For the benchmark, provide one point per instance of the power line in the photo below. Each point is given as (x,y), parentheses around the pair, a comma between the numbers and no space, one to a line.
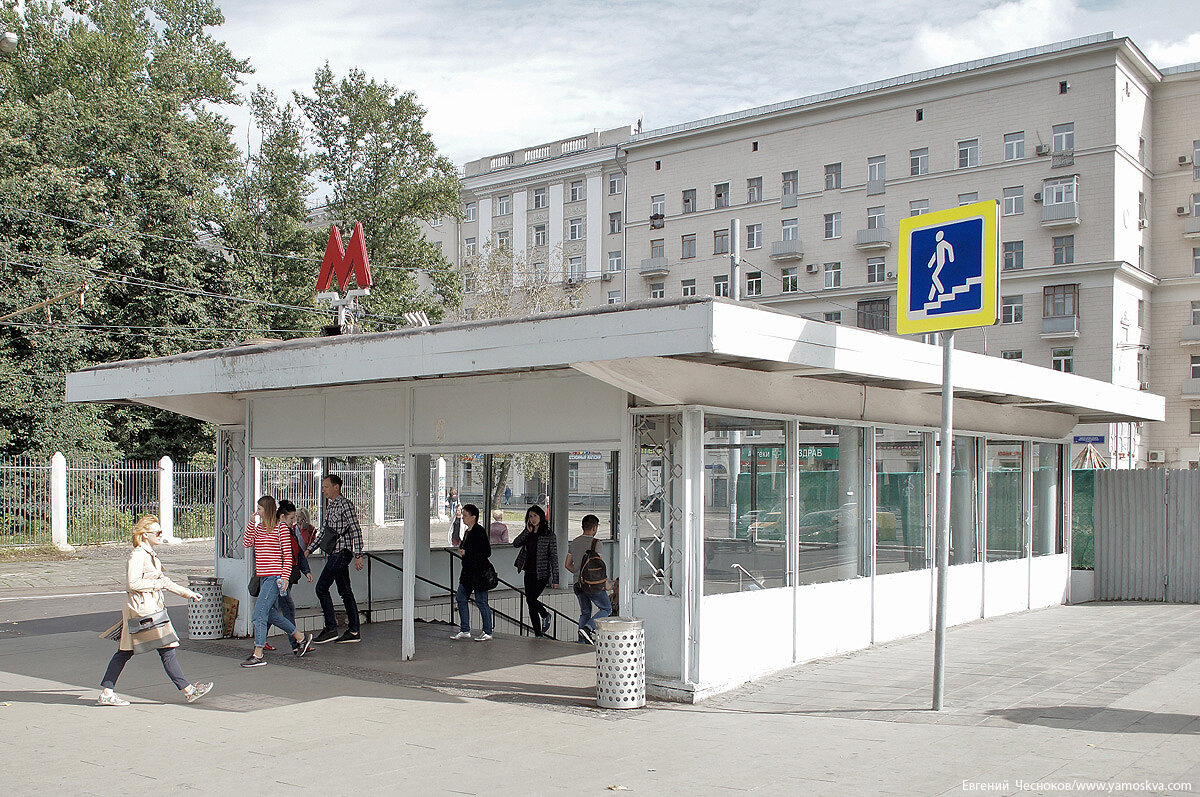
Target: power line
(52,326)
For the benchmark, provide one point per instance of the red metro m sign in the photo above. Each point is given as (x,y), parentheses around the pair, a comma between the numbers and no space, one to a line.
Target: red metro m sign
(340,261)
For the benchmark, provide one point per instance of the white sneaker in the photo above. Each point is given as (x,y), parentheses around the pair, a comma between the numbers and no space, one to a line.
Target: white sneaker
(111,699)
(483,637)
(462,635)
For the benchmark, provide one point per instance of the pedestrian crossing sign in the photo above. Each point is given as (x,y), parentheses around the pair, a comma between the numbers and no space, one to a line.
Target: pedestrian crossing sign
(949,269)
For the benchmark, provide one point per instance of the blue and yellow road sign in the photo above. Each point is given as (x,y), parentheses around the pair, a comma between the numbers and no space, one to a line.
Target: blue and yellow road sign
(949,269)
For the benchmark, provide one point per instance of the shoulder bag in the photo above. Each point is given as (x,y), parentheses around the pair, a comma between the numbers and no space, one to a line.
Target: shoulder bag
(151,632)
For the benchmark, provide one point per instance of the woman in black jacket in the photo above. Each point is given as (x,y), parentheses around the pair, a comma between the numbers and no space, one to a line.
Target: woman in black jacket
(476,551)
(539,560)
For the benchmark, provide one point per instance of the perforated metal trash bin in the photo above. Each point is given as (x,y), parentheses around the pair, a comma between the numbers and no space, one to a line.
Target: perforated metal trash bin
(206,617)
(620,663)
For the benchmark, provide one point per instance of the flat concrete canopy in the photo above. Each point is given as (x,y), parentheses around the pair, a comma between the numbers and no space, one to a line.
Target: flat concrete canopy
(699,351)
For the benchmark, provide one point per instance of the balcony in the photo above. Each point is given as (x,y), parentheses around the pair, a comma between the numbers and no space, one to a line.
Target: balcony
(1062,158)
(876,187)
(787,250)
(654,267)
(873,238)
(1061,326)
(1060,214)
(788,201)
(1191,227)
(1189,334)
(1191,388)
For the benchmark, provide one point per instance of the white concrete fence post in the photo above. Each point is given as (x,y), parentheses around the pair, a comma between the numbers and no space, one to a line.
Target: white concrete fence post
(166,499)
(378,484)
(58,502)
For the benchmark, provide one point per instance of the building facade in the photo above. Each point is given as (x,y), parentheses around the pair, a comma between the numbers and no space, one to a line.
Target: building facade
(1090,149)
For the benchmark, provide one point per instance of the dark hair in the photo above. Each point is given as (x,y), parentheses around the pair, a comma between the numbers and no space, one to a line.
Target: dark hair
(543,525)
(334,479)
(287,507)
(472,510)
(590,522)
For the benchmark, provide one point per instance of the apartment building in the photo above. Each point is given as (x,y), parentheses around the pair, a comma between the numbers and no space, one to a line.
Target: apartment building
(1090,149)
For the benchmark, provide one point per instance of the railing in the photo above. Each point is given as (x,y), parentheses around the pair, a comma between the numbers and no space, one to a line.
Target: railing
(1061,325)
(554,613)
(537,154)
(106,498)
(790,249)
(876,187)
(1065,157)
(1060,213)
(654,266)
(193,505)
(1191,226)
(874,238)
(25,501)
(744,573)
(574,145)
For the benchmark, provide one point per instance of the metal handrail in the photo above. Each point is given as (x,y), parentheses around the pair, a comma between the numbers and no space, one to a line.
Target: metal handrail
(748,574)
(554,613)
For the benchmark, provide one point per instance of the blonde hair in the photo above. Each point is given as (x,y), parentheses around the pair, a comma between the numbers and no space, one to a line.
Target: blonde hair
(498,514)
(142,528)
(270,512)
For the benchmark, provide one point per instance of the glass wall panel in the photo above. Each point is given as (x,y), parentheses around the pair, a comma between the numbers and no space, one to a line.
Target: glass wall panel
(964,502)
(901,516)
(832,537)
(1005,486)
(657,502)
(590,481)
(518,480)
(745,504)
(1047,499)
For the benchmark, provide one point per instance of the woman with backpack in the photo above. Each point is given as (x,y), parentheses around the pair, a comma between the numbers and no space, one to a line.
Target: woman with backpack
(477,576)
(538,559)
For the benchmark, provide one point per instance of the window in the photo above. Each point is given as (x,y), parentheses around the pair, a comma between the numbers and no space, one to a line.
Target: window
(658,205)
(616,183)
(658,247)
(614,222)
(1012,354)
(721,195)
(1195,313)
(503,238)
(1196,205)
(833,176)
(968,198)
(920,114)
(1195,373)
(791,280)
(1196,260)
(753,236)
(1141,257)
(754,283)
(541,270)
(918,161)
(1014,255)
(968,153)
(875,218)
(1141,314)
(877,168)
(687,287)
(470,211)
(1064,138)
(1060,301)
(576,194)
(1059,191)
(791,183)
(834,317)
(469,246)
(1143,210)
(720,242)
(614,297)
(539,235)
(1014,145)
(539,198)
(1064,249)
(1012,309)
(791,229)
(470,285)
(1194,417)
(754,189)
(721,285)
(875,270)
(833,225)
(875,314)
(1063,360)
(616,261)
(1014,200)
(687,246)
(1196,160)
(833,275)
(918,207)
(689,200)
(657,290)
(503,205)
(575,229)
(575,267)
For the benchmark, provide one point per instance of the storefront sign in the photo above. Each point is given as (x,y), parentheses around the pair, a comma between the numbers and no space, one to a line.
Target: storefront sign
(582,456)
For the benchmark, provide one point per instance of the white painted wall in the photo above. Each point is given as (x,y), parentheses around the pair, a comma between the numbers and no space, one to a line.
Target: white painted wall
(1005,587)
(660,617)
(745,634)
(903,604)
(1049,577)
(964,593)
(330,420)
(832,618)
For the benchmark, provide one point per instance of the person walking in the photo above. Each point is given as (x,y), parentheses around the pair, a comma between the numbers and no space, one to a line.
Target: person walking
(590,594)
(475,576)
(287,606)
(498,529)
(271,540)
(144,585)
(340,526)
(538,559)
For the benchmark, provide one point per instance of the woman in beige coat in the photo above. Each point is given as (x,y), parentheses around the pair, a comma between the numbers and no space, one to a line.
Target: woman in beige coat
(144,585)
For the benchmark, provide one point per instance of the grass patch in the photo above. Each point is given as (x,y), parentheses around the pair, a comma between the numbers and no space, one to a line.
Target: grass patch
(35,553)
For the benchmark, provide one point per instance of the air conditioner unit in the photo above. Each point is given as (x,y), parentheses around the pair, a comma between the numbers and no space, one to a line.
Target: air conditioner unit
(1042,149)
(1156,457)
(1143,224)
(1181,211)
(811,268)
(607,276)
(1037,197)
(891,275)
(1184,160)
(1143,386)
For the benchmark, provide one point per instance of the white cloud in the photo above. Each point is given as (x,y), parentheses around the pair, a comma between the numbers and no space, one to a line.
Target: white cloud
(1174,53)
(996,29)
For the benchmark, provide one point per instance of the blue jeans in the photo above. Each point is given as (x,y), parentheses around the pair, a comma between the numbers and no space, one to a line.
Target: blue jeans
(587,600)
(287,606)
(266,611)
(464,610)
(337,571)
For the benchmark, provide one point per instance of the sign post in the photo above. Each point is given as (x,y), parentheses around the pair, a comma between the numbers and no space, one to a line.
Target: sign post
(949,279)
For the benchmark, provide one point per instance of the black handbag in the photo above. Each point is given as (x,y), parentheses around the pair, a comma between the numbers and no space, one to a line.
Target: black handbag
(254,585)
(489,578)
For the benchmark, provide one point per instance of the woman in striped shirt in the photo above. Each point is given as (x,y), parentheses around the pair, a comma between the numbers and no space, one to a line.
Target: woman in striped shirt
(271,540)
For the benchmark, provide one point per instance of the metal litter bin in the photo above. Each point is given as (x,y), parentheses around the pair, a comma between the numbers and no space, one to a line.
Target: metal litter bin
(206,617)
(620,663)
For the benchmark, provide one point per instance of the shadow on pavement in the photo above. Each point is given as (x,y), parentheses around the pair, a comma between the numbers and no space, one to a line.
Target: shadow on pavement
(1101,719)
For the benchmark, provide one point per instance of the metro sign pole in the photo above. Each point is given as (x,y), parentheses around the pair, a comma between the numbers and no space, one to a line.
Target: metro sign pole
(341,261)
(949,279)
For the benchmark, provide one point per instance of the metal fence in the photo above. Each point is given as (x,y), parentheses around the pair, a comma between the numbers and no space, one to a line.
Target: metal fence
(193,501)
(24,501)
(104,499)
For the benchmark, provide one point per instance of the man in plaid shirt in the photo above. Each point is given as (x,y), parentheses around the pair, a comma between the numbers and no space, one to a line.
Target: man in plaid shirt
(339,524)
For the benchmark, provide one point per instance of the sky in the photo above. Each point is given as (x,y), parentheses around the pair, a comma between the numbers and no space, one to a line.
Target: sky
(497,75)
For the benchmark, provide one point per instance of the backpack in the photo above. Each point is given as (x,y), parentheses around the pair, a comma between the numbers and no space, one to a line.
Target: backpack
(593,575)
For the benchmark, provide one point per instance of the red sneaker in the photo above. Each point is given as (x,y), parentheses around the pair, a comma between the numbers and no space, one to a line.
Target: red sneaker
(268,646)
